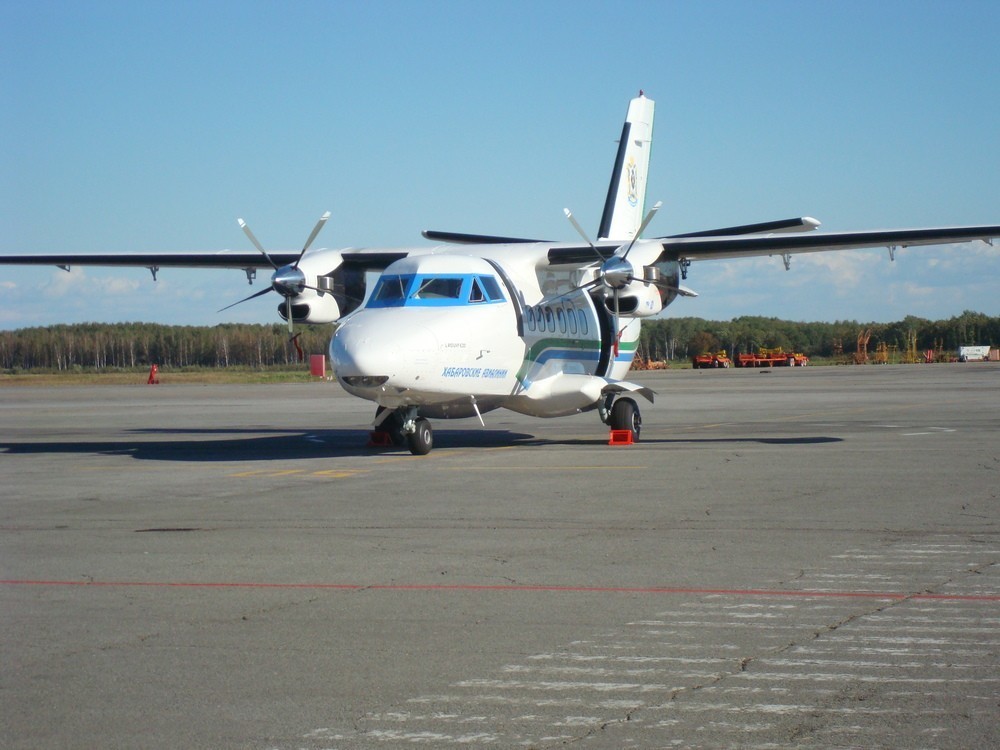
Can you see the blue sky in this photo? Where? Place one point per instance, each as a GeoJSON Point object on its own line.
{"type": "Point", "coordinates": [152, 126]}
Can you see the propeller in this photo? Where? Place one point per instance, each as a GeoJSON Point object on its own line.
{"type": "Point", "coordinates": [288, 281]}
{"type": "Point", "coordinates": [615, 272]}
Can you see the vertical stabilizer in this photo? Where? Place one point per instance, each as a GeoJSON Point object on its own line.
{"type": "Point", "coordinates": [627, 191]}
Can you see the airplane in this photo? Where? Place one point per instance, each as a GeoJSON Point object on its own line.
{"type": "Point", "coordinates": [475, 323]}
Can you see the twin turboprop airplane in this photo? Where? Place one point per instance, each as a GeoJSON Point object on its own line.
{"type": "Point", "coordinates": [478, 322]}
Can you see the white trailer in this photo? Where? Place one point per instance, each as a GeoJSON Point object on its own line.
{"type": "Point", "coordinates": [973, 353]}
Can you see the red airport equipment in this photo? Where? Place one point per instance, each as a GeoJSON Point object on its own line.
{"type": "Point", "coordinates": [772, 358]}
{"type": "Point", "coordinates": [708, 360]}
{"type": "Point", "coordinates": [317, 365]}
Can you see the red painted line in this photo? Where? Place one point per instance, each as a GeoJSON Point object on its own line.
{"type": "Point", "coordinates": [649, 590]}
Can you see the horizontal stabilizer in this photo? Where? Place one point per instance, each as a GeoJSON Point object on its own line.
{"type": "Point", "coordinates": [802, 224]}
{"type": "Point", "coordinates": [458, 238]}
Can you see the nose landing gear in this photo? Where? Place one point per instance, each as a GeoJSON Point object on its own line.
{"type": "Point", "coordinates": [402, 425]}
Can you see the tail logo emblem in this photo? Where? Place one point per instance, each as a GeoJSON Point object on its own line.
{"type": "Point", "coordinates": [632, 177]}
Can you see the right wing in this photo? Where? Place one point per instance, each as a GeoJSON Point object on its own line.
{"type": "Point", "coordinates": [727, 247]}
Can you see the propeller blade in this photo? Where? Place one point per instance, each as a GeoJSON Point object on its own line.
{"type": "Point", "coordinates": [315, 231]}
{"type": "Point", "coordinates": [288, 314]}
{"type": "Point", "coordinates": [256, 244]}
{"type": "Point", "coordinates": [682, 290]}
{"type": "Point", "coordinates": [649, 217]}
{"type": "Point", "coordinates": [579, 230]}
{"type": "Point", "coordinates": [247, 299]}
{"type": "Point", "coordinates": [336, 295]}
{"type": "Point", "coordinates": [294, 341]}
{"type": "Point", "coordinates": [642, 227]}
{"type": "Point", "coordinates": [589, 285]}
{"type": "Point", "coordinates": [615, 321]}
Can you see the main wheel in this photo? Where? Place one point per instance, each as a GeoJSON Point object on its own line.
{"type": "Point", "coordinates": [625, 416]}
{"type": "Point", "coordinates": [422, 438]}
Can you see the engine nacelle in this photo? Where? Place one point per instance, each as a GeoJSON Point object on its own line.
{"type": "Point", "coordinates": [636, 300]}
{"type": "Point", "coordinates": [326, 297]}
{"type": "Point", "coordinates": [643, 299]}
{"type": "Point", "coordinates": [312, 308]}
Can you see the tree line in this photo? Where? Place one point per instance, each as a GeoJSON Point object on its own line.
{"type": "Point", "coordinates": [682, 338]}
{"type": "Point", "coordinates": [132, 345]}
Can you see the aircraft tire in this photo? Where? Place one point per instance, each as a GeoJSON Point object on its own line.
{"type": "Point", "coordinates": [421, 440]}
{"type": "Point", "coordinates": [625, 416]}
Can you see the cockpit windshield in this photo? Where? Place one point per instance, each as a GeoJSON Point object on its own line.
{"type": "Point", "coordinates": [427, 290]}
{"type": "Point", "coordinates": [390, 289]}
{"type": "Point", "coordinates": [438, 287]}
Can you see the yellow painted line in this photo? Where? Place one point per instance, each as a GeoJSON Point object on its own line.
{"type": "Point", "coordinates": [267, 473]}
{"type": "Point", "coordinates": [322, 473]}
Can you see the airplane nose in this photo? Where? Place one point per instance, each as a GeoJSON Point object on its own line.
{"type": "Point", "coordinates": [366, 353]}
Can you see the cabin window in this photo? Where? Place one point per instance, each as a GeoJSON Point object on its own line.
{"type": "Point", "coordinates": [561, 318]}
{"type": "Point", "coordinates": [571, 320]}
{"type": "Point", "coordinates": [529, 318]}
{"type": "Point", "coordinates": [584, 327]}
{"type": "Point", "coordinates": [550, 323]}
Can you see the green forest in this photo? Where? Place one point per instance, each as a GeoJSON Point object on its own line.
{"type": "Point", "coordinates": [130, 345]}
{"type": "Point", "coordinates": [681, 338]}
{"type": "Point", "coordinates": [101, 346]}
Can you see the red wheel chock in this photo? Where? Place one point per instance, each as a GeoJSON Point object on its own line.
{"type": "Point", "coordinates": [621, 437]}
{"type": "Point", "coordinates": [379, 439]}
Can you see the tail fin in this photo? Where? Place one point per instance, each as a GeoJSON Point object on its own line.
{"type": "Point", "coordinates": [627, 192]}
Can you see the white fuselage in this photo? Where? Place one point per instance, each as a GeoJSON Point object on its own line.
{"type": "Point", "coordinates": [453, 336]}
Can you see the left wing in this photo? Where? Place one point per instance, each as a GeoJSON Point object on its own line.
{"type": "Point", "coordinates": [218, 259]}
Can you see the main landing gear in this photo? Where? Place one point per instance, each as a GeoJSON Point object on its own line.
{"type": "Point", "coordinates": [403, 426]}
{"type": "Point", "coordinates": [623, 414]}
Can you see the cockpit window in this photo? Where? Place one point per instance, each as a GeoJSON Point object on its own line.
{"type": "Point", "coordinates": [438, 287]}
{"type": "Point", "coordinates": [391, 289]}
{"type": "Point", "coordinates": [492, 288]}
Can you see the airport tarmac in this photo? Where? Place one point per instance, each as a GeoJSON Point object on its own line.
{"type": "Point", "coordinates": [789, 558]}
